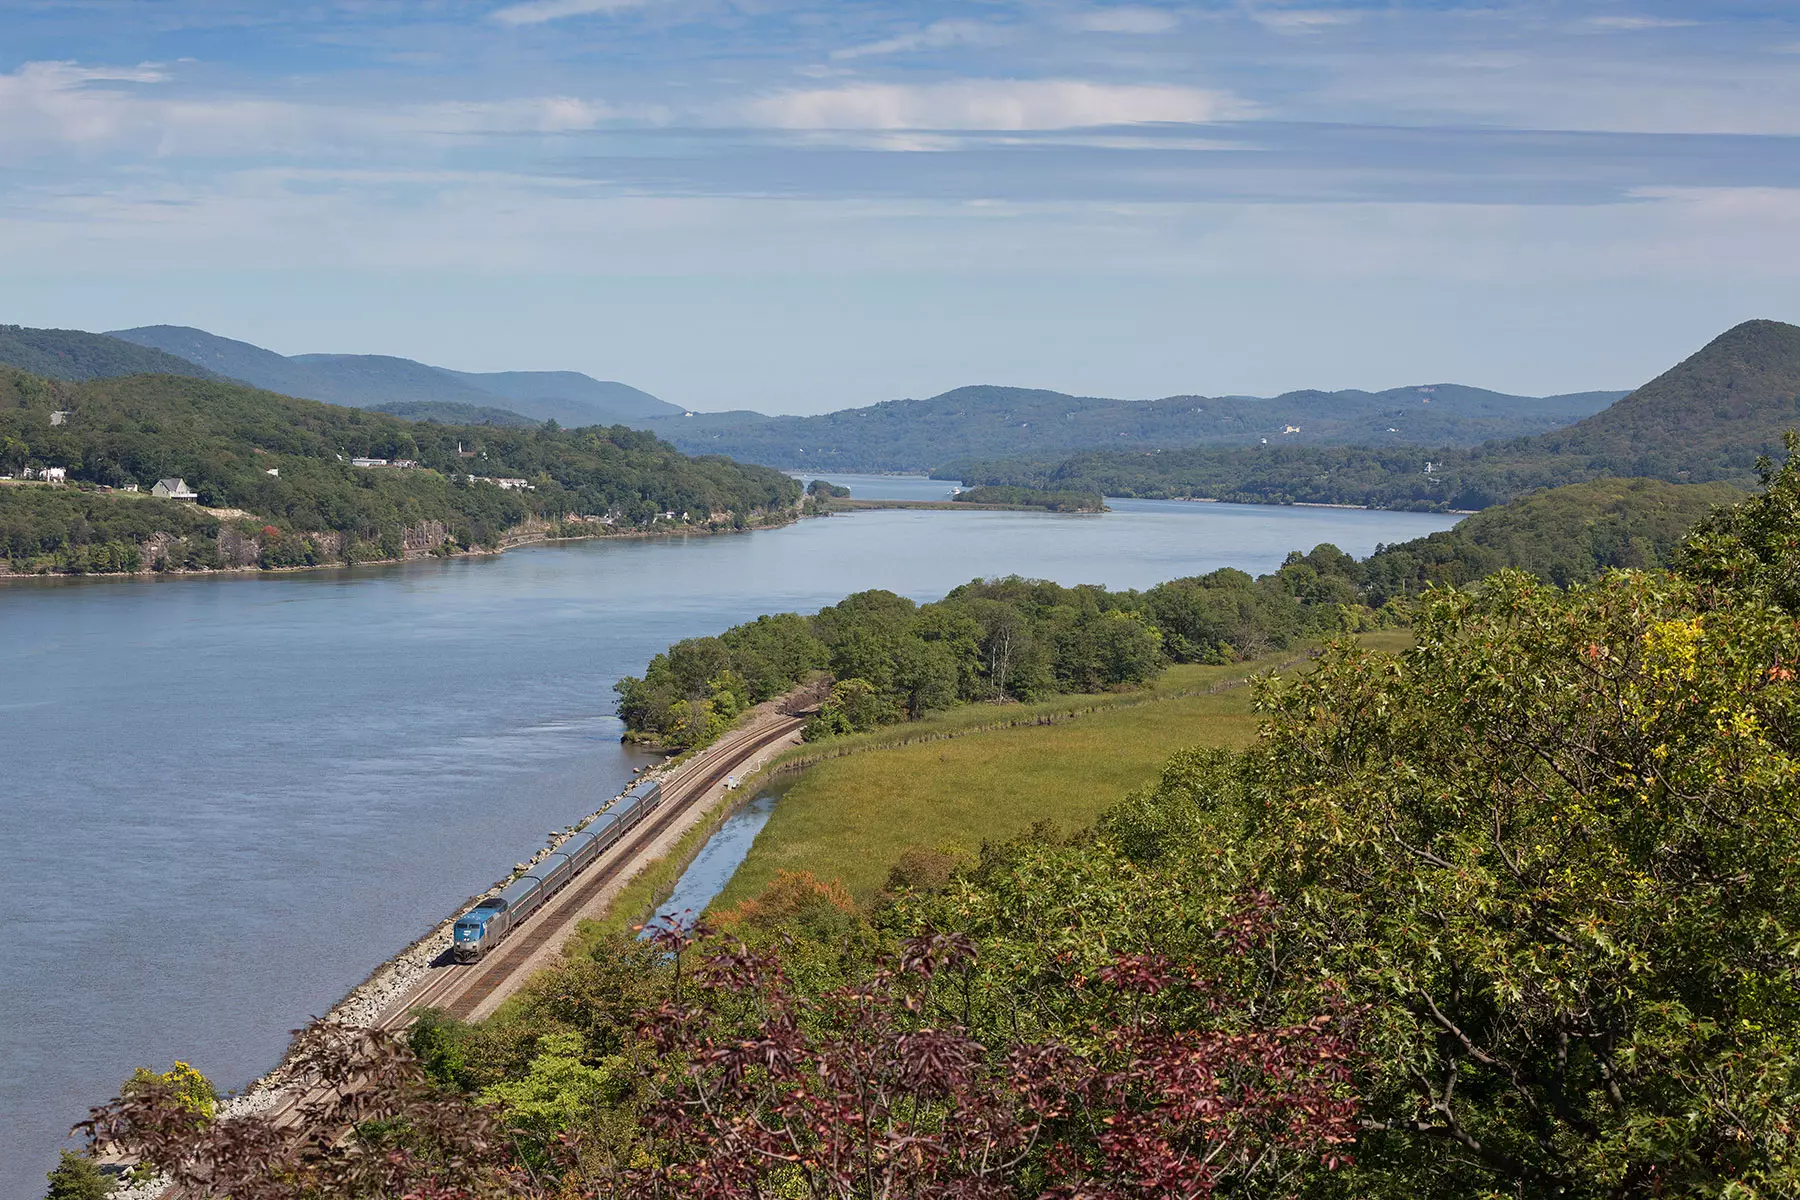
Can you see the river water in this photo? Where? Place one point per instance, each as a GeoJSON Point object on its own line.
{"type": "Point", "coordinates": [224, 800]}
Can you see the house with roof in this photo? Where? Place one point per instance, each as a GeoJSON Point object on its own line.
{"type": "Point", "coordinates": [174, 489]}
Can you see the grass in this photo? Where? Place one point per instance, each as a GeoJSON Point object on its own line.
{"type": "Point", "coordinates": [947, 782]}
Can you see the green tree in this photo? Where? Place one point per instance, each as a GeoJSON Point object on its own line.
{"type": "Point", "coordinates": [75, 1177]}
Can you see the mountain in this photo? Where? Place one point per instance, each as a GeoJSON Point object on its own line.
{"type": "Point", "coordinates": [1709, 418]}
{"type": "Point", "coordinates": [379, 380]}
{"type": "Point", "coordinates": [546, 389]}
{"type": "Point", "coordinates": [1003, 422]}
{"type": "Point", "coordinates": [447, 412]}
{"type": "Point", "coordinates": [74, 354]}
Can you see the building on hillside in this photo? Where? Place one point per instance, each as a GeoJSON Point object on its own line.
{"type": "Point", "coordinates": [275, 471]}
{"type": "Point", "coordinates": [60, 416]}
{"type": "Point", "coordinates": [49, 474]}
{"type": "Point", "coordinates": [368, 462]}
{"type": "Point", "coordinates": [174, 489]}
{"type": "Point", "coordinates": [511, 485]}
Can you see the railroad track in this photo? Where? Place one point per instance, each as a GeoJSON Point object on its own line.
{"type": "Point", "coordinates": [465, 992]}
{"type": "Point", "coordinates": [461, 988]}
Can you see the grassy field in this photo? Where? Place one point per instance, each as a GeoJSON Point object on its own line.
{"type": "Point", "coordinates": [850, 817]}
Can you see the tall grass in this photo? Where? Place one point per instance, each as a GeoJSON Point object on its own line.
{"type": "Point", "coordinates": [949, 783]}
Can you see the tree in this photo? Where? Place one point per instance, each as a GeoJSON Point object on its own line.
{"type": "Point", "coordinates": [75, 1177]}
{"type": "Point", "coordinates": [1553, 850]}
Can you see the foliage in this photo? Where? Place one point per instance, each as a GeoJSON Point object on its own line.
{"type": "Point", "coordinates": [75, 1177]}
{"type": "Point", "coordinates": [987, 422]}
{"type": "Point", "coordinates": [1754, 547]}
{"type": "Point", "coordinates": [181, 1084]}
{"type": "Point", "coordinates": [1565, 535]}
{"type": "Point", "coordinates": [822, 489]}
{"type": "Point", "coordinates": [225, 439]}
{"type": "Point", "coordinates": [878, 1089]}
{"type": "Point", "coordinates": [1085, 502]}
{"type": "Point", "coordinates": [405, 1137]}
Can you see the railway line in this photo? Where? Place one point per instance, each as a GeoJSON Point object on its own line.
{"type": "Point", "coordinates": [465, 989]}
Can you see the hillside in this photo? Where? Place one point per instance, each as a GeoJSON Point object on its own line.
{"type": "Point", "coordinates": [74, 354]}
{"type": "Point", "coordinates": [378, 380]}
{"type": "Point", "coordinates": [448, 412]}
{"type": "Point", "coordinates": [988, 421]}
{"type": "Point", "coordinates": [544, 390]}
{"type": "Point", "coordinates": [1709, 418]}
{"type": "Point", "coordinates": [287, 462]}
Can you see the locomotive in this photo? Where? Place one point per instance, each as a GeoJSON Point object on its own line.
{"type": "Point", "coordinates": [477, 930]}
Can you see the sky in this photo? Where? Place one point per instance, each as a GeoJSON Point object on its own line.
{"type": "Point", "coordinates": [803, 205]}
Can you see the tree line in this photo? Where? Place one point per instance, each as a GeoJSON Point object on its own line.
{"type": "Point", "coordinates": [1013, 639]}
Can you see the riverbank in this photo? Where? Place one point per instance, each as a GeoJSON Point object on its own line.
{"type": "Point", "coordinates": [522, 535]}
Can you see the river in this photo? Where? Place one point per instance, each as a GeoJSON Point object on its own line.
{"type": "Point", "coordinates": [224, 800]}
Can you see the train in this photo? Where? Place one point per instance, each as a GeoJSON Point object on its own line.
{"type": "Point", "coordinates": [481, 928]}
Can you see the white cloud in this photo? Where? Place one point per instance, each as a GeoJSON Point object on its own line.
{"type": "Point", "coordinates": [936, 36]}
{"type": "Point", "coordinates": [1631, 23]}
{"type": "Point", "coordinates": [991, 104]}
{"type": "Point", "coordinates": [536, 12]}
{"type": "Point", "coordinates": [1127, 18]}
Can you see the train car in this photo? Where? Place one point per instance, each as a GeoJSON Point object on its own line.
{"type": "Point", "coordinates": [478, 929]}
{"type": "Point", "coordinates": [552, 872]}
{"type": "Point", "coordinates": [582, 849]}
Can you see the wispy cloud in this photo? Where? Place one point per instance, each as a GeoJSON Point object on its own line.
{"type": "Point", "coordinates": [1303, 20]}
{"type": "Point", "coordinates": [536, 12]}
{"type": "Point", "coordinates": [936, 36]}
{"type": "Point", "coordinates": [1629, 23]}
{"type": "Point", "coordinates": [60, 107]}
{"type": "Point", "coordinates": [1129, 18]}
{"type": "Point", "coordinates": [991, 104]}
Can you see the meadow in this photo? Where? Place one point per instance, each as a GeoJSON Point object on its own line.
{"type": "Point", "coordinates": [953, 781]}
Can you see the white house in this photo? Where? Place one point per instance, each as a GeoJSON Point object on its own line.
{"type": "Point", "coordinates": [368, 462]}
{"type": "Point", "coordinates": [174, 489]}
{"type": "Point", "coordinates": [53, 474]}
{"type": "Point", "coordinates": [59, 416]}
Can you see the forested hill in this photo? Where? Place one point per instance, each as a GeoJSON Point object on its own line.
{"type": "Point", "coordinates": [987, 421]}
{"type": "Point", "coordinates": [380, 380]}
{"type": "Point", "coordinates": [75, 354]}
{"type": "Point", "coordinates": [1709, 418]}
{"type": "Point", "coordinates": [285, 464]}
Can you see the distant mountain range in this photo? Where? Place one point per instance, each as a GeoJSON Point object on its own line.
{"type": "Point", "coordinates": [982, 422]}
{"type": "Point", "coordinates": [1709, 418]}
{"type": "Point", "coordinates": [1008, 422]}
{"type": "Point", "coordinates": [380, 382]}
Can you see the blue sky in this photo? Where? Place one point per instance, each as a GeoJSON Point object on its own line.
{"type": "Point", "coordinates": [797, 205]}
